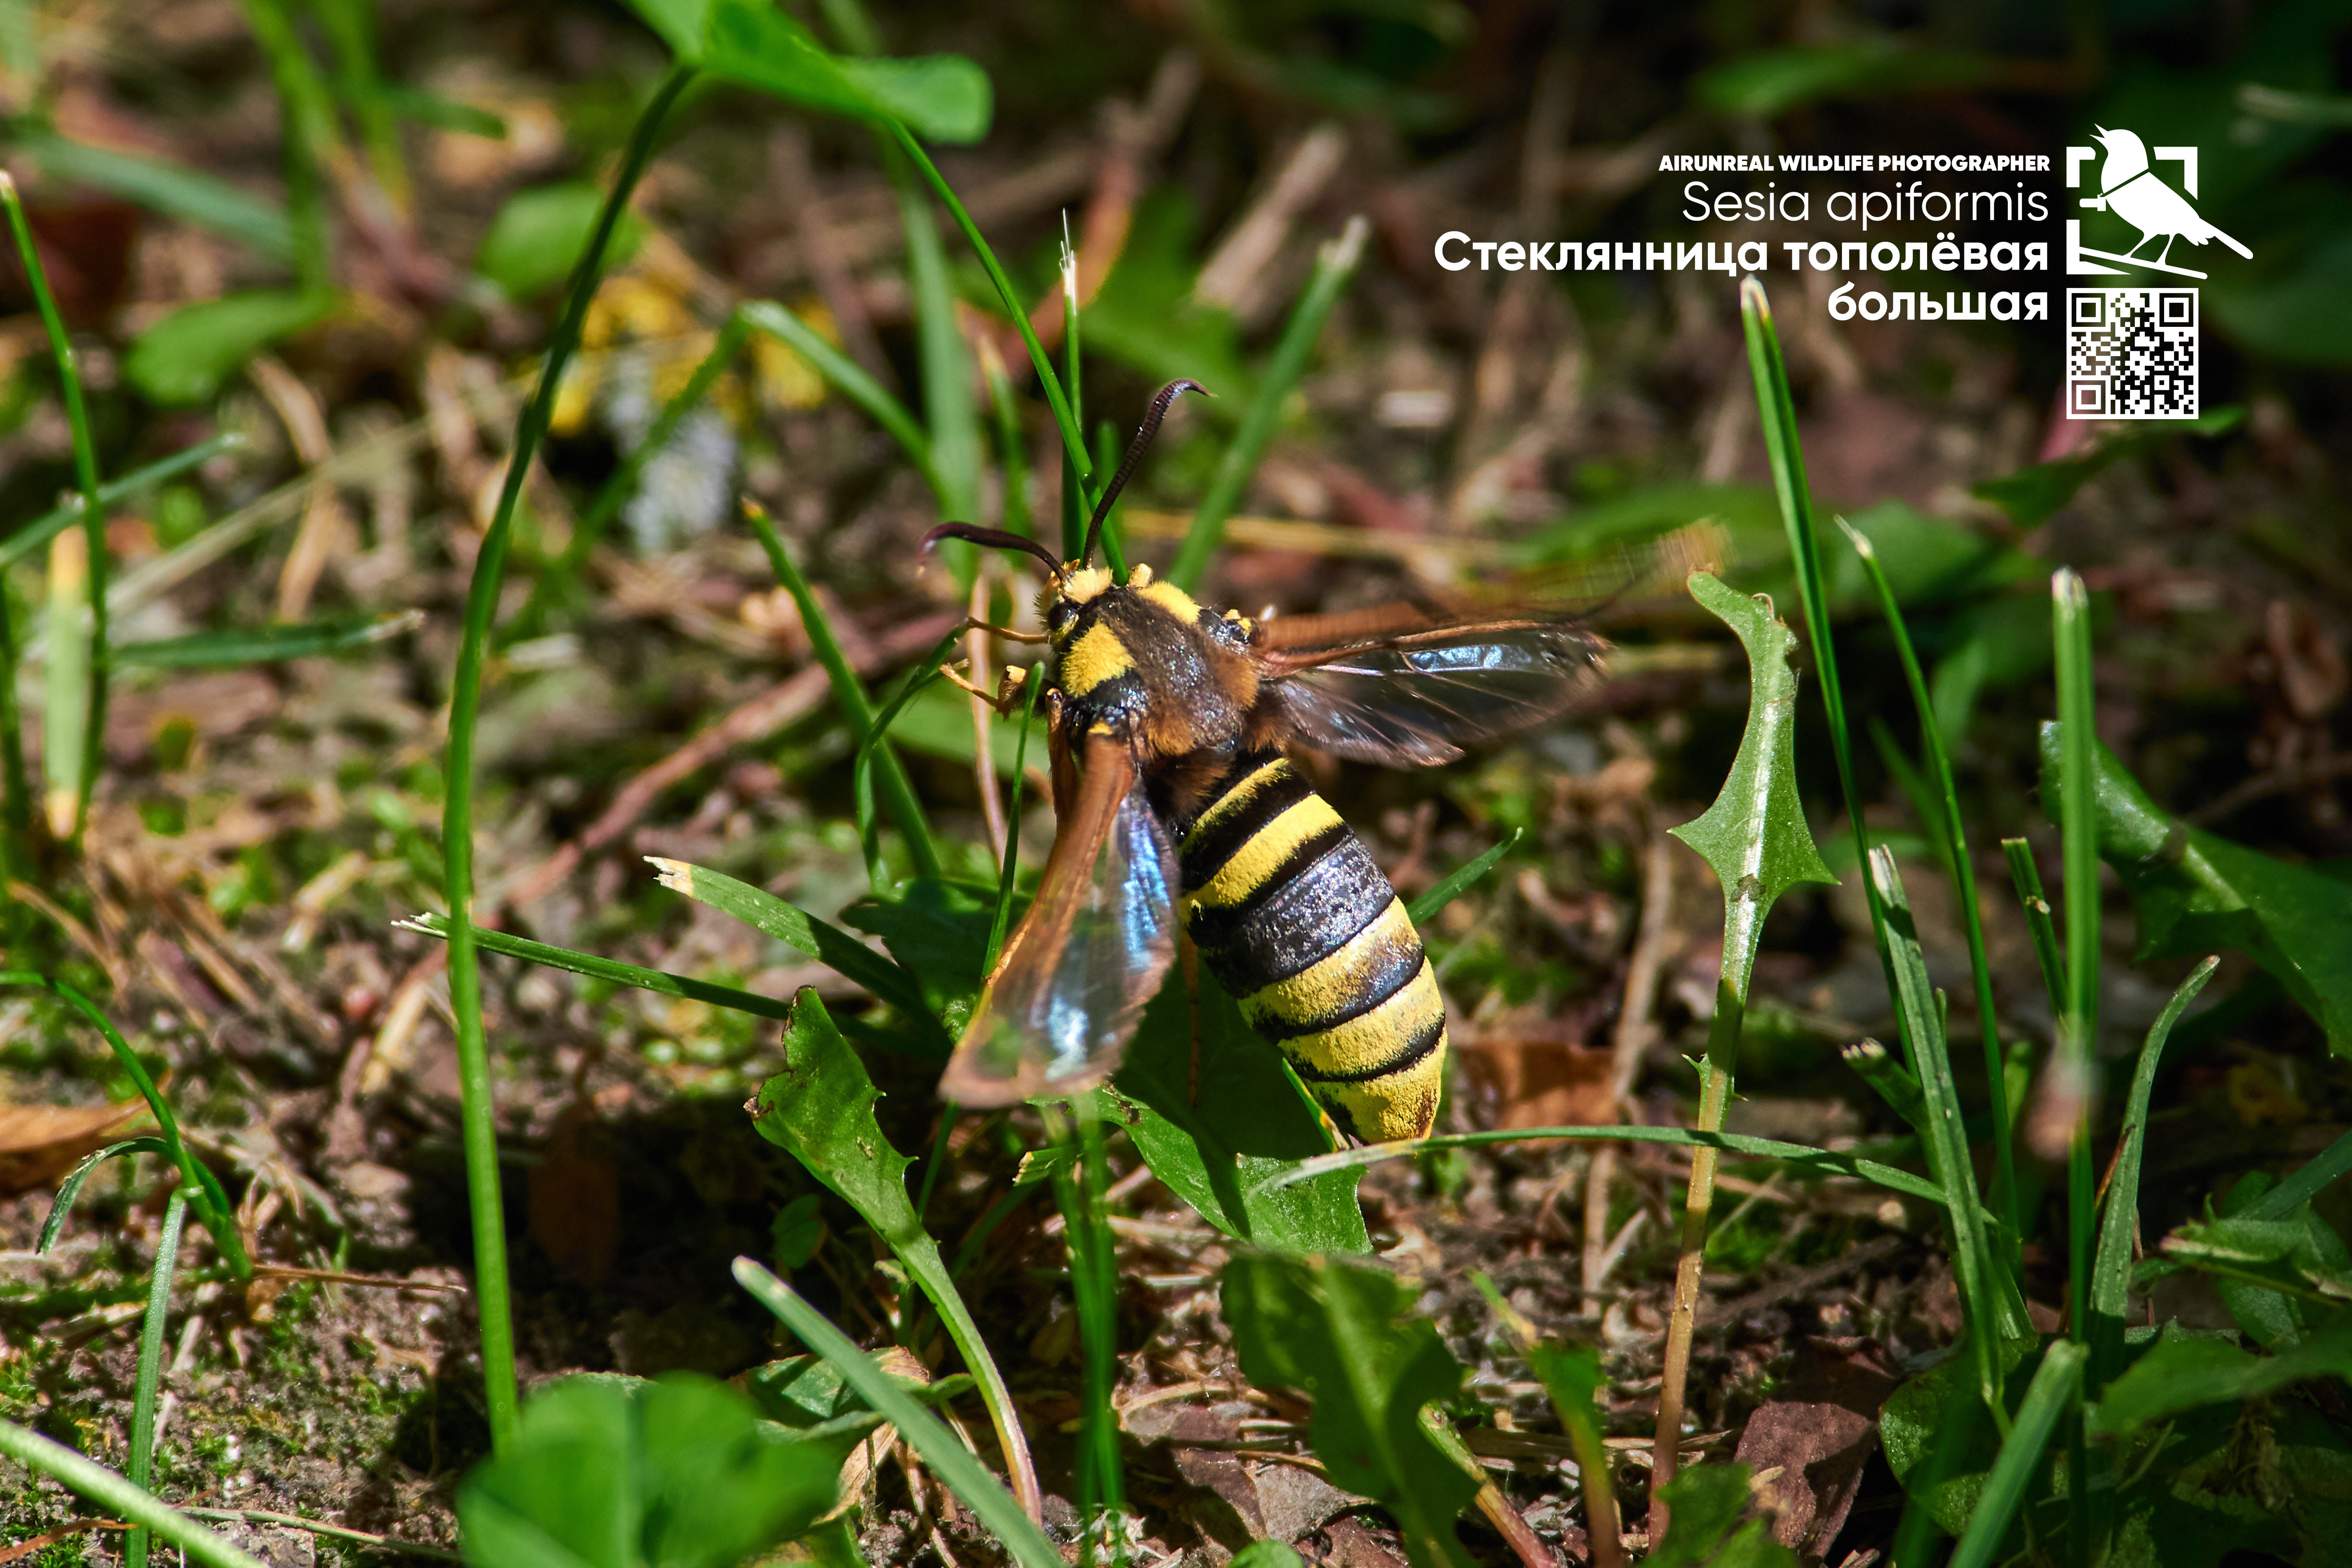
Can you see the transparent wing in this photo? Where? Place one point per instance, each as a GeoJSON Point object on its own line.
{"type": "Point", "coordinates": [1075, 973]}
{"type": "Point", "coordinates": [1417, 698]}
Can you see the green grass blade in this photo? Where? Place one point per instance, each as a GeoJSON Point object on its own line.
{"type": "Point", "coordinates": [17, 811]}
{"type": "Point", "coordinates": [212, 1203]}
{"type": "Point", "coordinates": [1948, 824]}
{"type": "Point", "coordinates": [1991, 1316]}
{"type": "Point", "coordinates": [2056, 1384]}
{"type": "Point", "coordinates": [794, 927]}
{"type": "Point", "coordinates": [1078, 1188]}
{"type": "Point", "coordinates": [1002, 921]}
{"type": "Point", "coordinates": [1785, 457]}
{"type": "Point", "coordinates": [923, 1432]}
{"type": "Point", "coordinates": [1573, 1379]}
{"type": "Point", "coordinates": [820, 1109]}
{"type": "Point", "coordinates": [70, 1188]}
{"type": "Point", "coordinates": [2119, 1224]}
{"type": "Point", "coordinates": [897, 789]}
{"type": "Point", "coordinates": [172, 189]}
{"type": "Point", "coordinates": [1869, 1060]}
{"type": "Point", "coordinates": [2027, 877]}
{"type": "Point", "coordinates": [265, 644]}
{"type": "Point", "coordinates": [478, 1128]}
{"type": "Point", "coordinates": [1074, 489]}
{"type": "Point", "coordinates": [21, 544]}
{"type": "Point", "coordinates": [1335, 267]}
{"type": "Point", "coordinates": [1011, 447]}
{"type": "Point", "coordinates": [1074, 441]}
{"type": "Point", "coordinates": [1427, 907]}
{"type": "Point", "coordinates": [2079, 1022]}
{"type": "Point", "coordinates": [849, 378]}
{"type": "Point", "coordinates": [949, 412]}
{"type": "Point", "coordinates": [124, 1500]}
{"type": "Point", "coordinates": [2308, 1182]}
{"type": "Point", "coordinates": [89, 743]}
{"type": "Point", "coordinates": [877, 737]}
{"type": "Point", "coordinates": [1799, 1156]}
{"type": "Point", "coordinates": [151, 1364]}
{"type": "Point", "coordinates": [308, 114]}
{"type": "Point", "coordinates": [659, 981]}
{"type": "Point", "coordinates": [66, 680]}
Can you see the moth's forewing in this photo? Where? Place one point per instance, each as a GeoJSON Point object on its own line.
{"type": "Point", "coordinates": [1076, 973]}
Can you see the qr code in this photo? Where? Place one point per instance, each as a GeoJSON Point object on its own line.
{"type": "Point", "coordinates": [2131, 353]}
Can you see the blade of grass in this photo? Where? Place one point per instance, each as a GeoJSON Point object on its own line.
{"type": "Point", "coordinates": [829, 943]}
{"type": "Point", "coordinates": [1335, 267]}
{"type": "Point", "coordinates": [659, 981]}
{"type": "Point", "coordinates": [1869, 1059]}
{"type": "Point", "coordinates": [1801, 1156]}
{"type": "Point", "coordinates": [897, 789]}
{"type": "Point", "coordinates": [308, 114]}
{"type": "Point", "coordinates": [1074, 492]}
{"type": "Point", "coordinates": [264, 644]}
{"type": "Point", "coordinates": [151, 1364]}
{"type": "Point", "coordinates": [2308, 1182]}
{"type": "Point", "coordinates": [87, 754]}
{"type": "Point", "coordinates": [1078, 1188]}
{"type": "Point", "coordinates": [479, 1128]}
{"type": "Point", "coordinates": [1990, 1317]}
{"type": "Point", "coordinates": [1002, 921]}
{"type": "Point", "coordinates": [2027, 877]}
{"type": "Point", "coordinates": [2119, 1222]}
{"type": "Point", "coordinates": [849, 378]}
{"type": "Point", "coordinates": [923, 1432]}
{"type": "Point", "coordinates": [1074, 441]}
{"type": "Point", "coordinates": [2072, 1092]}
{"type": "Point", "coordinates": [16, 813]}
{"type": "Point", "coordinates": [70, 1188]}
{"type": "Point", "coordinates": [172, 189]}
{"type": "Point", "coordinates": [1950, 828]}
{"type": "Point", "coordinates": [2056, 1386]}
{"type": "Point", "coordinates": [122, 1500]}
{"type": "Point", "coordinates": [212, 1203]}
{"type": "Point", "coordinates": [617, 490]}
{"type": "Point", "coordinates": [949, 413]}
{"type": "Point", "coordinates": [65, 685]}
{"type": "Point", "coordinates": [350, 29]}
{"type": "Point", "coordinates": [1427, 907]}
{"type": "Point", "coordinates": [21, 544]}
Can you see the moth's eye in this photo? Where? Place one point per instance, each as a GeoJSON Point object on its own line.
{"type": "Point", "coordinates": [1060, 617]}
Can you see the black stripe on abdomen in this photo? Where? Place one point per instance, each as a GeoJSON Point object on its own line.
{"type": "Point", "coordinates": [1322, 894]}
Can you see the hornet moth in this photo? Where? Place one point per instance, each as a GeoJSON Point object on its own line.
{"type": "Point", "coordinates": [1176, 808]}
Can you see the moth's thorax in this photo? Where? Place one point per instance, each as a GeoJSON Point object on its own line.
{"type": "Point", "coordinates": [1143, 658]}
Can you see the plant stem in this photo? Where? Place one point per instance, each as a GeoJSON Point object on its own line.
{"type": "Point", "coordinates": [2027, 876]}
{"type": "Point", "coordinates": [151, 1364]}
{"type": "Point", "coordinates": [2078, 1030]}
{"type": "Point", "coordinates": [898, 789]}
{"type": "Point", "coordinates": [479, 1125]}
{"type": "Point", "coordinates": [1713, 1099]}
{"type": "Point", "coordinates": [93, 506]}
{"type": "Point", "coordinates": [120, 1498]}
{"type": "Point", "coordinates": [1335, 265]}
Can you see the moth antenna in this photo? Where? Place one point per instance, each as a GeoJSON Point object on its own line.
{"type": "Point", "coordinates": [1135, 450]}
{"type": "Point", "coordinates": [994, 539]}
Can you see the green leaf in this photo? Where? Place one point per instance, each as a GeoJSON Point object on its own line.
{"type": "Point", "coordinates": [172, 189]}
{"type": "Point", "coordinates": [2119, 1224]}
{"type": "Point", "coordinates": [939, 1448]}
{"type": "Point", "coordinates": [2277, 1276]}
{"type": "Point", "coordinates": [1427, 907]}
{"type": "Point", "coordinates": [1943, 1402]}
{"type": "Point", "coordinates": [656, 980]}
{"type": "Point", "coordinates": [1346, 1335]}
{"type": "Point", "coordinates": [1754, 836]}
{"type": "Point", "coordinates": [2031, 494]}
{"type": "Point", "coordinates": [936, 931]}
{"type": "Point", "coordinates": [2195, 892]}
{"type": "Point", "coordinates": [820, 1109]}
{"type": "Point", "coordinates": [536, 239]}
{"type": "Point", "coordinates": [796, 928]}
{"type": "Point", "coordinates": [263, 645]}
{"type": "Point", "coordinates": [2180, 1373]}
{"type": "Point", "coordinates": [184, 357]}
{"type": "Point", "coordinates": [613, 1472]}
{"type": "Point", "coordinates": [941, 98]}
{"type": "Point", "coordinates": [1268, 1553]}
{"type": "Point", "coordinates": [2047, 1397]}
{"type": "Point", "coordinates": [70, 1188]}
{"type": "Point", "coordinates": [441, 113]}
{"type": "Point", "coordinates": [1708, 1506]}
{"type": "Point", "coordinates": [1250, 1125]}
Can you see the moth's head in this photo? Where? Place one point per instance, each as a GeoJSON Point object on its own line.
{"type": "Point", "coordinates": [1063, 603]}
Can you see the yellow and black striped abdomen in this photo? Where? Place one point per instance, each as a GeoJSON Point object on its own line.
{"type": "Point", "coordinates": [1295, 919]}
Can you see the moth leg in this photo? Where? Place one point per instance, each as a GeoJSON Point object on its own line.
{"type": "Point", "coordinates": [974, 623]}
{"type": "Point", "coordinates": [1011, 687]}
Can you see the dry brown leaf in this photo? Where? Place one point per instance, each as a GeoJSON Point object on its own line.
{"type": "Point", "coordinates": [38, 1143]}
{"type": "Point", "coordinates": [1542, 1083]}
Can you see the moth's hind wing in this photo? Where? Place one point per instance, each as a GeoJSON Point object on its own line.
{"type": "Point", "coordinates": [1076, 974]}
{"type": "Point", "coordinates": [1417, 698]}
